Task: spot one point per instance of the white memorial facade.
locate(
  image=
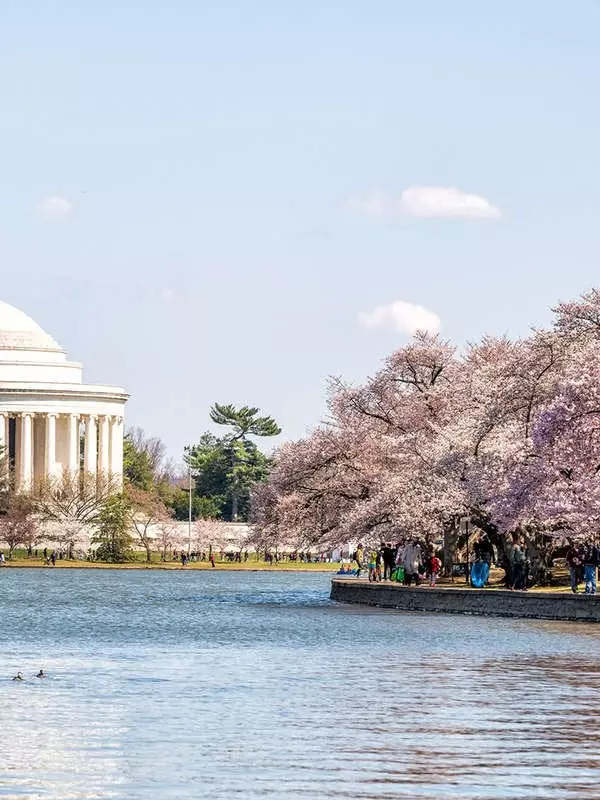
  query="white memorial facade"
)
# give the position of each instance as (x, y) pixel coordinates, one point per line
(51, 423)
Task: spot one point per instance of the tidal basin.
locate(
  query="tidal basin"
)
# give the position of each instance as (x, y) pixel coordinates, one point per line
(252, 685)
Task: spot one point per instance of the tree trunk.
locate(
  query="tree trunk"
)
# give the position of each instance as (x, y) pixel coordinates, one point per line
(540, 560)
(451, 532)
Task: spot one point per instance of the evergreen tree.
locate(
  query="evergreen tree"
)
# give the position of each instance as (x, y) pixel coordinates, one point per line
(226, 468)
(247, 465)
(112, 534)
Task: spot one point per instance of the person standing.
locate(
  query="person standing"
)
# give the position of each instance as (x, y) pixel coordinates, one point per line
(389, 561)
(358, 557)
(518, 559)
(574, 561)
(434, 568)
(379, 564)
(372, 566)
(411, 561)
(590, 564)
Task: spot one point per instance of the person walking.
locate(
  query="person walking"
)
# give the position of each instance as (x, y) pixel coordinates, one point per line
(591, 559)
(358, 557)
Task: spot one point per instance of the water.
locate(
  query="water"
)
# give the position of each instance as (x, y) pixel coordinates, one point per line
(253, 685)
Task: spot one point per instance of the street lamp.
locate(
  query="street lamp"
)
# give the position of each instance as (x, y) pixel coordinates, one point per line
(189, 452)
(189, 507)
(465, 523)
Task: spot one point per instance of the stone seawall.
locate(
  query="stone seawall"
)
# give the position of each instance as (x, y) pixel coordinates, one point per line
(483, 602)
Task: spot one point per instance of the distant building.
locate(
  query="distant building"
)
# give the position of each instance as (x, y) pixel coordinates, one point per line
(45, 408)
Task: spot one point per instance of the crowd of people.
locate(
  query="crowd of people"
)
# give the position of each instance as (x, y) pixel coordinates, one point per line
(410, 561)
(413, 562)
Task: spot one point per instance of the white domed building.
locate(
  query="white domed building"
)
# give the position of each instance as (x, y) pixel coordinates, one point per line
(45, 408)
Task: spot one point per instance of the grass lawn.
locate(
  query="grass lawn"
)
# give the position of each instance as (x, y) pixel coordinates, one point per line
(21, 559)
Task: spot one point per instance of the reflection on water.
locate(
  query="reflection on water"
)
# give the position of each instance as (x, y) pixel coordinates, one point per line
(188, 685)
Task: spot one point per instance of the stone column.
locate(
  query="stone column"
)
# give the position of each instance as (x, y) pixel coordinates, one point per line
(50, 447)
(26, 476)
(4, 445)
(90, 452)
(73, 445)
(104, 446)
(116, 449)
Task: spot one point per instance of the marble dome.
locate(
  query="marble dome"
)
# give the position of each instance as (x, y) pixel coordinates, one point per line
(20, 332)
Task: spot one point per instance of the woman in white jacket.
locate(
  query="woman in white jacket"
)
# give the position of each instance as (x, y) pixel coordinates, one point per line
(411, 560)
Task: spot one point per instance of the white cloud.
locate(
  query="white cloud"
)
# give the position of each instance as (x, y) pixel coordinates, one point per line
(426, 202)
(401, 316)
(445, 202)
(55, 206)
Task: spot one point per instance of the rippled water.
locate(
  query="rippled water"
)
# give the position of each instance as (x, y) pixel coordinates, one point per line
(253, 685)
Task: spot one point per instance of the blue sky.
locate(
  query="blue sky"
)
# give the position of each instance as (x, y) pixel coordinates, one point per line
(199, 199)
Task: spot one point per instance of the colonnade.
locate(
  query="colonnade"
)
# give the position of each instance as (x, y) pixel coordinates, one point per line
(45, 446)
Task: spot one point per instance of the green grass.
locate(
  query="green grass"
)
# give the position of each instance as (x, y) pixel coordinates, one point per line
(21, 559)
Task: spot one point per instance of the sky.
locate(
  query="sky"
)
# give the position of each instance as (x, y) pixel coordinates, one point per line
(232, 201)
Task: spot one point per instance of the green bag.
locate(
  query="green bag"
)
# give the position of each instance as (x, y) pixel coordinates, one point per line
(398, 574)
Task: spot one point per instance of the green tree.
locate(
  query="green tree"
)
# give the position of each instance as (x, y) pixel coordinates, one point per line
(247, 464)
(211, 462)
(243, 421)
(137, 465)
(112, 534)
(202, 507)
(224, 473)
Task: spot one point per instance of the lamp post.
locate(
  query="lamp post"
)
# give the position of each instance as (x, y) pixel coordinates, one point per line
(189, 509)
(467, 533)
(189, 452)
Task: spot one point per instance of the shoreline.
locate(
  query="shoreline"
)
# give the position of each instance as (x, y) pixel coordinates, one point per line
(549, 604)
(169, 566)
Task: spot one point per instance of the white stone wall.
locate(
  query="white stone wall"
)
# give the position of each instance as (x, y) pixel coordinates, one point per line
(227, 536)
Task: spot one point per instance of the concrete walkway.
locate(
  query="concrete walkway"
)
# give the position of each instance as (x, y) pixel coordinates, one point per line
(483, 602)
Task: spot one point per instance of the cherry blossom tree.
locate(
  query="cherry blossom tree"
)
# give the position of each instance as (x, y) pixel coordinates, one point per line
(505, 435)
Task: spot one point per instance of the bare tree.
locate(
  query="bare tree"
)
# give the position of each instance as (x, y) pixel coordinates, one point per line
(147, 510)
(163, 468)
(166, 538)
(72, 503)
